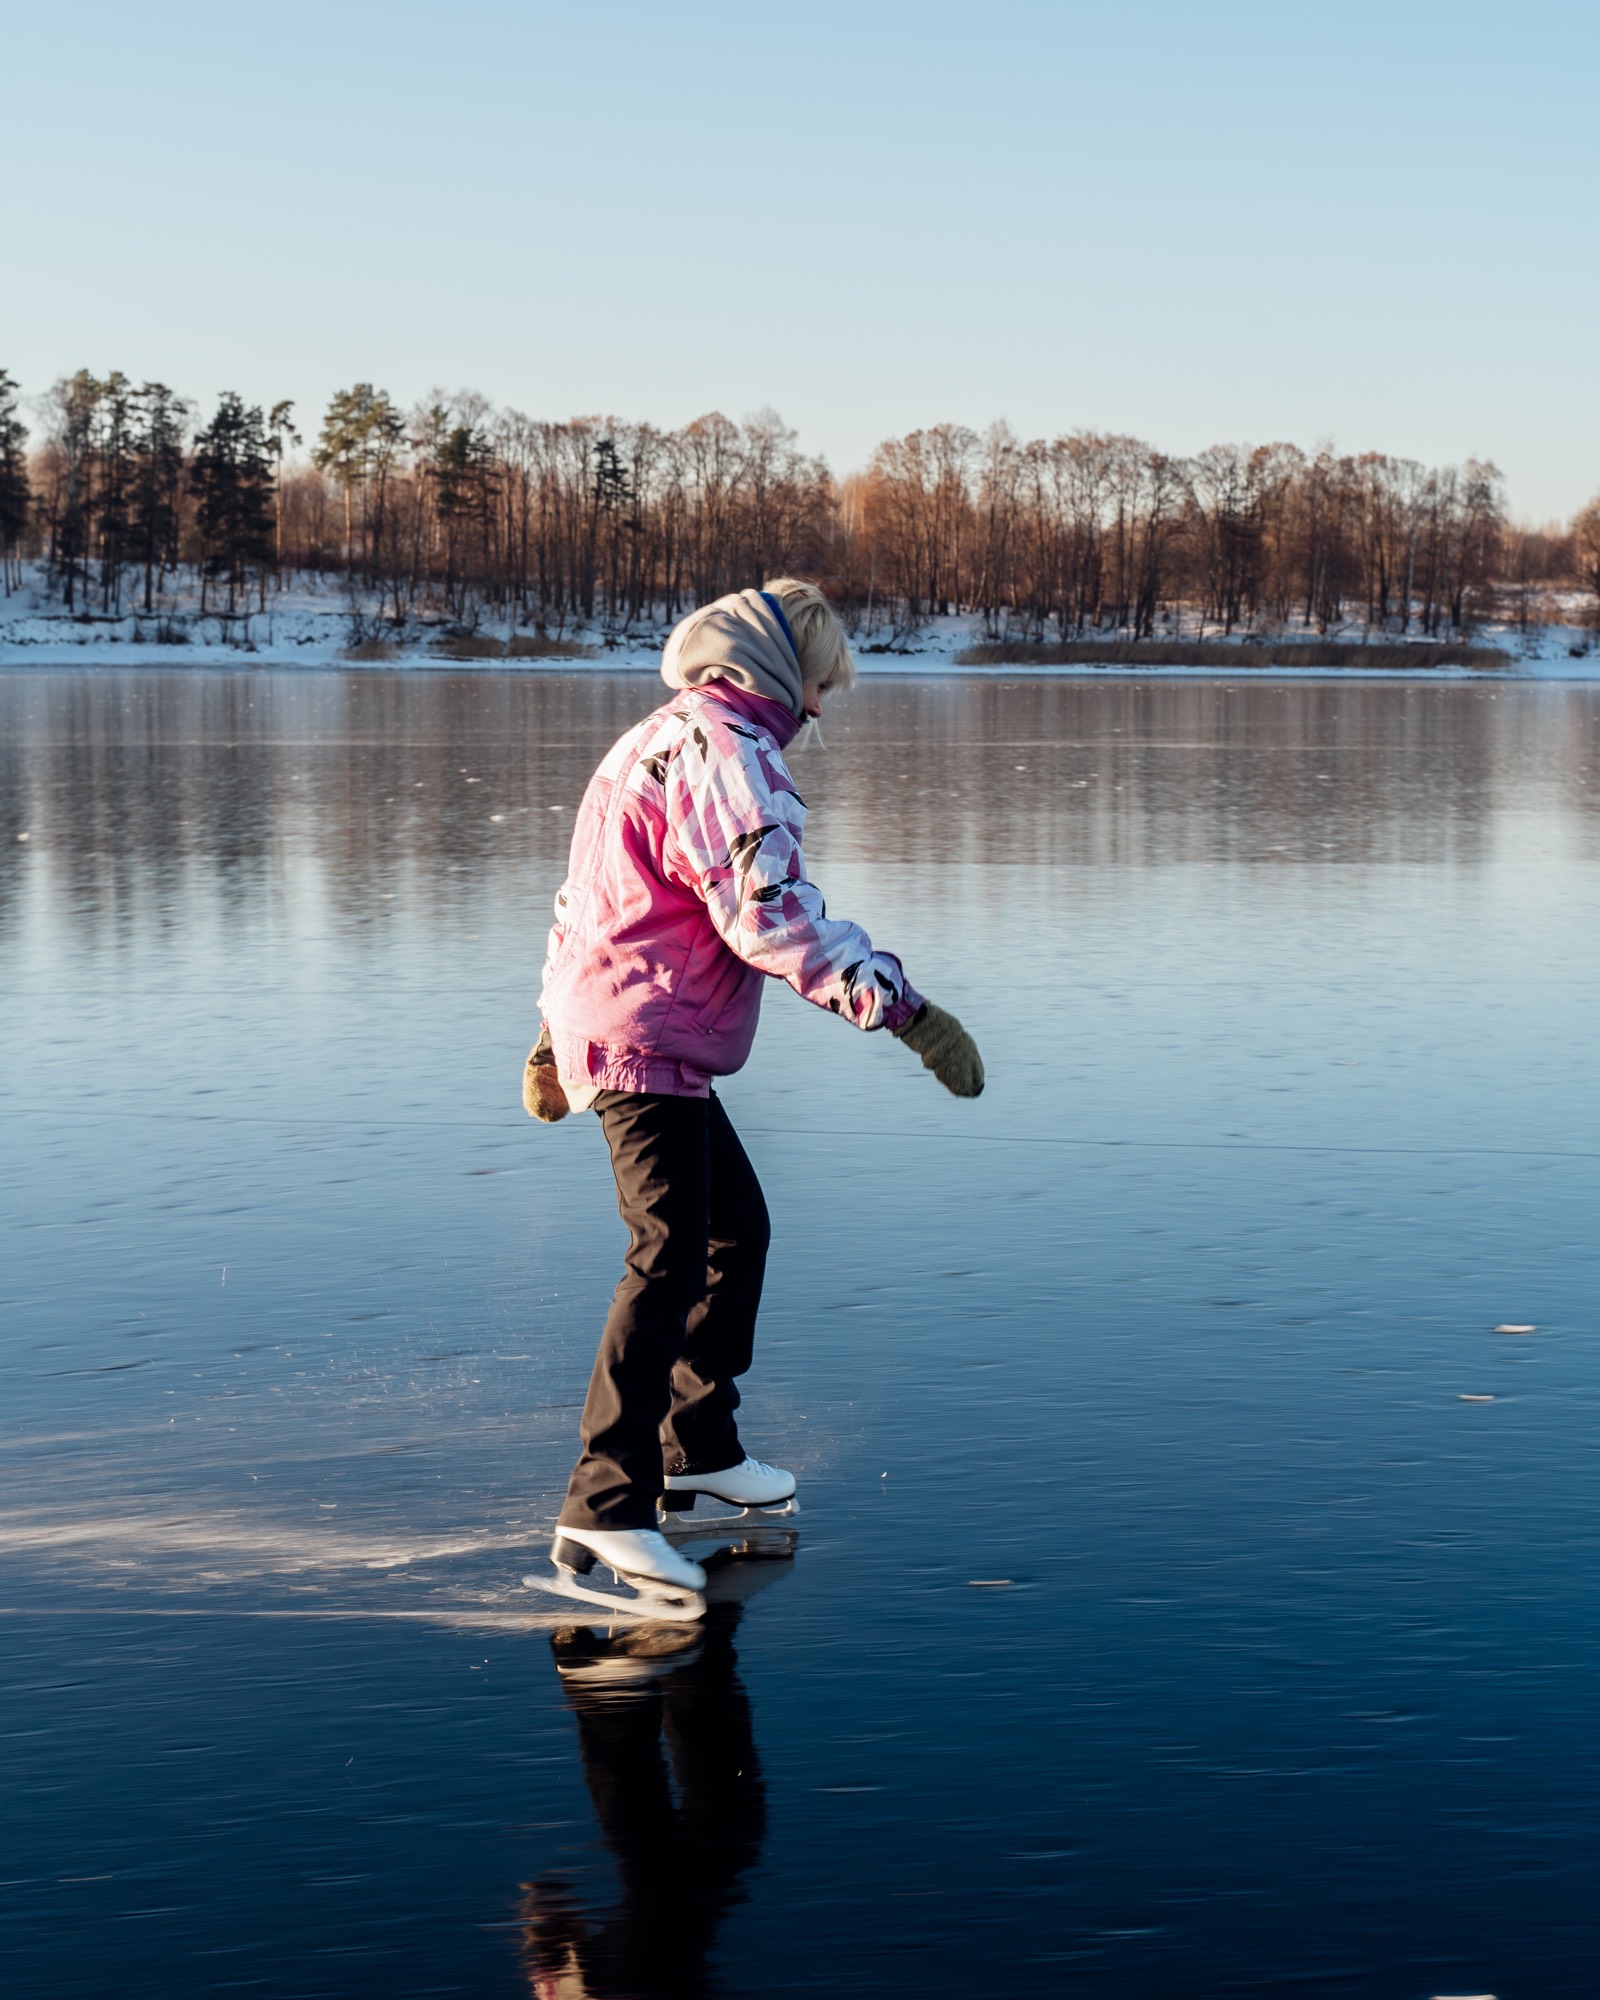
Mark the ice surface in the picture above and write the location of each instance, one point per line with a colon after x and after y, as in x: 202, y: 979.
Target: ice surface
x: 1161, y: 1620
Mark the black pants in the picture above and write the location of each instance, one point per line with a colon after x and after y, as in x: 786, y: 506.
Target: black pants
x: 682, y: 1320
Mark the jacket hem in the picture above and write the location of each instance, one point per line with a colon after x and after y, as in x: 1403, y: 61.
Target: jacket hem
x: 595, y: 1069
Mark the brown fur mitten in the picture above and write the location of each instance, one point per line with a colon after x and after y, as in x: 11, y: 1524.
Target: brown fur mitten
x: 542, y: 1095
x: 946, y: 1048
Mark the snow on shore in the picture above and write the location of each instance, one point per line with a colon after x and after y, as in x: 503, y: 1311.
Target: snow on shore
x: 310, y: 626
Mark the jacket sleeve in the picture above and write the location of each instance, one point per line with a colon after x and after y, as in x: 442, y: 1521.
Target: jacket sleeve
x: 553, y: 944
x: 735, y: 821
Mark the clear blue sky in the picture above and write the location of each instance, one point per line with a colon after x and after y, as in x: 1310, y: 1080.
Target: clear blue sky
x: 1366, y: 223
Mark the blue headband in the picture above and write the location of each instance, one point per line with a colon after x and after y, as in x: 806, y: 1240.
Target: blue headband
x: 767, y: 597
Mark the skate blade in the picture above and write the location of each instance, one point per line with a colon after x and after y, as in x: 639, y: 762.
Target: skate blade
x: 733, y: 1520
x: 665, y: 1603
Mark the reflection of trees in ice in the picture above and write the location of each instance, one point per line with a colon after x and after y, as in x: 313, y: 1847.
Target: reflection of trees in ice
x: 398, y: 802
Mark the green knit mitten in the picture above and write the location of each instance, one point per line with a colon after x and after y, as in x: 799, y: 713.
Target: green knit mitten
x: 946, y: 1048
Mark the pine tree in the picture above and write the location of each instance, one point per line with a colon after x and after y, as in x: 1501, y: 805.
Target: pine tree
x: 360, y: 437
x: 112, y: 445
x: 460, y: 464
x: 74, y: 401
x: 232, y: 475
x: 15, y: 494
x: 157, y: 488
x: 281, y: 433
x: 614, y: 496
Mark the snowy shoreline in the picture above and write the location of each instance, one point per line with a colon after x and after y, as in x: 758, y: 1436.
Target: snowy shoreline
x: 310, y: 629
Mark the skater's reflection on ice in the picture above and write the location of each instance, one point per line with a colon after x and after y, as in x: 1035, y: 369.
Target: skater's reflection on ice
x: 645, y: 1696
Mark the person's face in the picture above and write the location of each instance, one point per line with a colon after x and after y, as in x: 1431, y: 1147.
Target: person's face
x: 811, y: 698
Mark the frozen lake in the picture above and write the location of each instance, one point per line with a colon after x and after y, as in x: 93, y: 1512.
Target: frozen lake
x: 1196, y: 1593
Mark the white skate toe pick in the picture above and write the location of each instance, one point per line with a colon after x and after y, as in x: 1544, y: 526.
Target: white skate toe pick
x: 665, y: 1584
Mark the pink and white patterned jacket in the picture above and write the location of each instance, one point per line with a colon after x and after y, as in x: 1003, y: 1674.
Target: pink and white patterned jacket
x: 685, y: 890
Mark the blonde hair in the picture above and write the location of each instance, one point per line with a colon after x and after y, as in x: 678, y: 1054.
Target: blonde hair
x: 824, y: 652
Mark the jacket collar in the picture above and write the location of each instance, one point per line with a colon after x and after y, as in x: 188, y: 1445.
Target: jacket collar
x: 772, y: 716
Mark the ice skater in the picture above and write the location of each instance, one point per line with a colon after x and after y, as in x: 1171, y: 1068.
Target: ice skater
x: 686, y: 889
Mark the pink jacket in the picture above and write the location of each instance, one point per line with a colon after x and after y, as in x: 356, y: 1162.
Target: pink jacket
x: 685, y: 888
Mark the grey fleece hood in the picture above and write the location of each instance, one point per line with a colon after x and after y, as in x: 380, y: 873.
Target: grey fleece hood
x: 743, y: 639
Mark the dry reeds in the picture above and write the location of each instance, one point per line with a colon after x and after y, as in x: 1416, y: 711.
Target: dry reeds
x: 366, y: 651
x: 522, y: 646
x: 536, y: 646
x: 468, y: 646
x: 1397, y: 658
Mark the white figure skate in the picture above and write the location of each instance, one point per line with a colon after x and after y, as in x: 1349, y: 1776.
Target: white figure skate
x: 665, y: 1585
x: 753, y: 1508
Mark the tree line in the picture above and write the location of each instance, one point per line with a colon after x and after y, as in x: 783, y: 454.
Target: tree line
x: 454, y: 512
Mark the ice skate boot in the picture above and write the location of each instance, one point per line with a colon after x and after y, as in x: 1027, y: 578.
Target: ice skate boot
x: 752, y: 1507
x: 665, y: 1585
